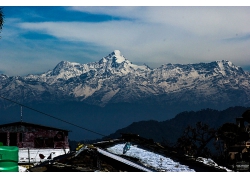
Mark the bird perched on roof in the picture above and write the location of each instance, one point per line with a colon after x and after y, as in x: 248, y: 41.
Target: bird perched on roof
x: 41, y: 156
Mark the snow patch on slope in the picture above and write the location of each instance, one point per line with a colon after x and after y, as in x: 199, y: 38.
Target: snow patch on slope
x: 85, y: 91
x: 221, y: 66
x: 109, y: 95
x: 119, y: 58
x: 150, y: 159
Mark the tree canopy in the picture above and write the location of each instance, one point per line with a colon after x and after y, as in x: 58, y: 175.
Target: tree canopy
x: 195, y: 139
x: 1, y: 19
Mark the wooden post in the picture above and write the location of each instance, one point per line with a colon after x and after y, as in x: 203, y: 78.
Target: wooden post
x: 235, y: 167
x: 17, y: 138
x: 29, y: 156
x: 8, y: 138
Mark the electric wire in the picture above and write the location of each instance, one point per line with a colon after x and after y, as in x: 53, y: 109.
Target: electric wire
x: 52, y: 116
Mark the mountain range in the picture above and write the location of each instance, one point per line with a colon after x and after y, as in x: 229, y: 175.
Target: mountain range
x: 113, y: 92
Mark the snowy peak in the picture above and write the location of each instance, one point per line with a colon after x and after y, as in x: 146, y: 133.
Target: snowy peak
x: 59, y: 67
x: 119, y: 58
x: 64, y: 70
x: 117, y: 52
x: 188, y: 73
x: 227, y: 68
x: 223, y: 67
x: 3, y: 77
x: 116, y: 56
x: 113, y: 64
x: 225, y: 64
x: 65, y: 66
x: 114, y: 59
x: 116, y: 63
x: 115, y: 79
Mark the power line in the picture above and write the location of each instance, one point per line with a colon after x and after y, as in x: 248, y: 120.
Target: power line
x: 22, y: 105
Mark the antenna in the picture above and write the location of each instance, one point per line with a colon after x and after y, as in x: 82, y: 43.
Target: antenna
x: 21, y: 113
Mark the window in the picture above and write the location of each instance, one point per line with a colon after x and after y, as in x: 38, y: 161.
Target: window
x: 13, y: 139
x: 59, y: 136
x: 43, y: 142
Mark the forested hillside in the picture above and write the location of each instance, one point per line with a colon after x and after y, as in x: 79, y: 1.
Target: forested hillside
x: 170, y: 130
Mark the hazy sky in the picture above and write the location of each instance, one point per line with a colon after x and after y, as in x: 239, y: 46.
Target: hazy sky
x: 35, y: 39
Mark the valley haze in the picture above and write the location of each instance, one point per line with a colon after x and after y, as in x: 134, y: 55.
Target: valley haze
x: 113, y: 93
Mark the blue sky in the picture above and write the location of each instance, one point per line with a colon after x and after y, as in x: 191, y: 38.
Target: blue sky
x: 35, y: 39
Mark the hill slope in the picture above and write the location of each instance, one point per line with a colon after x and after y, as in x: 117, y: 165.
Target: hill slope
x: 170, y: 130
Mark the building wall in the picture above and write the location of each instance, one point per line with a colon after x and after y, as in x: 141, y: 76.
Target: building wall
x: 33, y: 137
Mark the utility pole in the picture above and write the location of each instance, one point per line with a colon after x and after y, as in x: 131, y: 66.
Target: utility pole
x: 29, y: 156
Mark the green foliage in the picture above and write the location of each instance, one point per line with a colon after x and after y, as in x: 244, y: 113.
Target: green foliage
x: 229, y: 133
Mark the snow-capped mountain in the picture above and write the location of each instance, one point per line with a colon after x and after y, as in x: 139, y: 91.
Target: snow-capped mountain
x: 113, y: 92
x: 115, y: 79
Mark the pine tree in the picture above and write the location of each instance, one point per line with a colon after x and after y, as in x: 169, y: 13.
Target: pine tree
x: 1, y: 19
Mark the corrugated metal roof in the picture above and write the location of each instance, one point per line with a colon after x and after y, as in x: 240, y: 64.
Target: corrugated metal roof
x: 118, y: 158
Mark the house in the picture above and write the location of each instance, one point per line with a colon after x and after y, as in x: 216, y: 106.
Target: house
x: 108, y: 155
x: 239, y: 153
x: 36, y: 142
